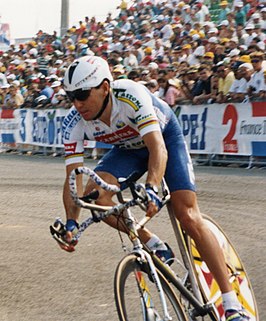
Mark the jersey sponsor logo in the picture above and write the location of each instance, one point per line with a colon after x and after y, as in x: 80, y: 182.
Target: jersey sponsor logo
x: 70, y: 148
x: 120, y: 124
x: 125, y: 133
x: 122, y: 95
x: 99, y: 133
x: 70, y: 122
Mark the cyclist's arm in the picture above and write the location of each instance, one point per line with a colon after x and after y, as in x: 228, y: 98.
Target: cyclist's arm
x: 72, y: 211
x: 157, y: 157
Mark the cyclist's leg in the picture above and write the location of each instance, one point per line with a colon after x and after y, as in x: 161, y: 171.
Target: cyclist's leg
x: 184, y: 203
x: 180, y: 179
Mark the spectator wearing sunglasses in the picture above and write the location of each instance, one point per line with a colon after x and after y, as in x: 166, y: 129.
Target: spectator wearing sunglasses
x: 257, y: 81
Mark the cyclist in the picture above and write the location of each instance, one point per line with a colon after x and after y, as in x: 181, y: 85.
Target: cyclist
x: 146, y: 137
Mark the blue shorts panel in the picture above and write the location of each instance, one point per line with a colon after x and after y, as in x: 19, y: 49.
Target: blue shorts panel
x: 179, y: 173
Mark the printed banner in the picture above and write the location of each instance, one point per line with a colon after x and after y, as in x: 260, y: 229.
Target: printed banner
x: 231, y: 129
x: 236, y: 129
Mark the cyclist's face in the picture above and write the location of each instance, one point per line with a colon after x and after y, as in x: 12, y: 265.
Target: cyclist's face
x: 91, y: 106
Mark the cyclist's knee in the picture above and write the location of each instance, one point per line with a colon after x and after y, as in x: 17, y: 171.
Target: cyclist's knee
x: 186, y: 210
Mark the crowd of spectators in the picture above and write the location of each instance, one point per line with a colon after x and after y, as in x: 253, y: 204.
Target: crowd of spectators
x: 173, y: 47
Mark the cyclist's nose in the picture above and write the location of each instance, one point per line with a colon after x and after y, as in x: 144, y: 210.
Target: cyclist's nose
x: 78, y: 103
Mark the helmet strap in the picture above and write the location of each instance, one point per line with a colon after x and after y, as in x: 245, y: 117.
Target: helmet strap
x: 104, y: 105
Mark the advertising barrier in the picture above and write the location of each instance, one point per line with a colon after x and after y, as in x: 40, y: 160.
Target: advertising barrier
x: 228, y: 129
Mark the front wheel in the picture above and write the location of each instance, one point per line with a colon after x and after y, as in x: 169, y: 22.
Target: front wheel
x: 136, y: 296
x: 237, y: 274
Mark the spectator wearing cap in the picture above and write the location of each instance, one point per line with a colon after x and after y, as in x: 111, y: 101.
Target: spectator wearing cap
x: 190, y: 82
x: 118, y: 71
x: 219, y: 54
x: 153, y: 70
x: 198, y: 53
x: 256, y: 18
x: 3, y: 80
x: 233, y: 93
x: 233, y: 44
x: 213, y: 33
x: 177, y: 36
x: 263, y: 19
x: 166, y: 30
x: 234, y: 55
x: 224, y: 29
x: 153, y: 86
x: 245, y: 72
x: 223, y: 11
x: 59, y: 98
x: 257, y: 82
x: 256, y: 41
x: 212, y: 44
x: 240, y: 15
x: 186, y: 52
x: 199, y: 14
x: 208, y: 58
x: 173, y: 92
x: 226, y: 78
x: 145, y: 76
x: 15, y: 99
x: 203, y: 93
x: 148, y: 40
x: 4, y: 94
x: 148, y: 57
x: 130, y: 60
x: 249, y: 35
x: 185, y: 15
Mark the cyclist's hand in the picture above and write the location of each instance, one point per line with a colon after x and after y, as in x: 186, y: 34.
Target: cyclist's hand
x: 154, y: 202
x: 63, y: 234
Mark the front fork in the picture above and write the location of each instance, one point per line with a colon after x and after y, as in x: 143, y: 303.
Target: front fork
x: 145, y: 257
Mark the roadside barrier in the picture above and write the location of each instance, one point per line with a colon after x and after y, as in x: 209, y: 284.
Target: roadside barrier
x: 217, y: 133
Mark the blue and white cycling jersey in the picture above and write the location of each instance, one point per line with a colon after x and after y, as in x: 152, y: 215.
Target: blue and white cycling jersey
x: 135, y: 112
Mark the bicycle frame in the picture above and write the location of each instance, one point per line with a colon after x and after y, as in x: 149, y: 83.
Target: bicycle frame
x: 194, y: 297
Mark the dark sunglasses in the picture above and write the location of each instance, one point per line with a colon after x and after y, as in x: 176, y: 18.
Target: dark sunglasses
x: 255, y: 60
x: 78, y: 94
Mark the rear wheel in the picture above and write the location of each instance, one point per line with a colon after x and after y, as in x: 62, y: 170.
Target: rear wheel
x: 237, y: 273
x: 136, y: 295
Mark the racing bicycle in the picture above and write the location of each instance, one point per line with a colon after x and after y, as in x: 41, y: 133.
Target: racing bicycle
x: 145, y: 287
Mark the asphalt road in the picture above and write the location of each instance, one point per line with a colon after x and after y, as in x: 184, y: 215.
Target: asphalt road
x: 39, y: 282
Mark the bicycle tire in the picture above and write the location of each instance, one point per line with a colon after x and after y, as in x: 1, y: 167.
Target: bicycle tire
x: 239, y: 277
x: 132, y: 287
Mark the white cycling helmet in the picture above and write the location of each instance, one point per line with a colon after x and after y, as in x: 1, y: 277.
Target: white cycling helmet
x: 86, y: 72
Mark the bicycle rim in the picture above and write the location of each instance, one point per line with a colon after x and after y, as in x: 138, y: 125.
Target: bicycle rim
x: 136, y: 296
x: 238, y: 275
